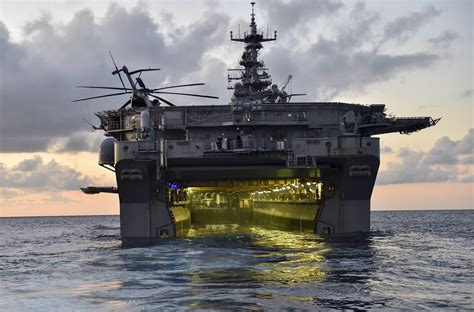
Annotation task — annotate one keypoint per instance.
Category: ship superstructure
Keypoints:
(260, 159)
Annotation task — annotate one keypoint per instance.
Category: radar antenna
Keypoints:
(253, 78)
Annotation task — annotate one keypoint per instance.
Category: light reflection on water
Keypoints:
(411, 261)
(279, 257)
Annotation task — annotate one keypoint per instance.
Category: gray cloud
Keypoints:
(288, 15)
(466, 145)
(411, 170)
(468, 93)
(359, 28)
(78, 142)
(443, 40)
(35, 174)
(442, 153)
(386, 149)
(403, 27)
(336, 69)
(353, 57)
(7, 193)
(446, 161)
(36, 113)
(35, 100)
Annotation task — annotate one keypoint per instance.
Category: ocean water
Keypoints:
(417, 260)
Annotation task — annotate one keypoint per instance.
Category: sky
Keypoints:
(414, 56)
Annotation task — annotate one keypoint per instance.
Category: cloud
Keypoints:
(403, 27)
(442, 153)
(352, 58)
(443, 40)
(36, 113)
(288, 15)
(468, 93)
(336, 69)
(78, 142)
(386, 149)
(8, 193)
(36, 175)
(446, 161)
(43, 68)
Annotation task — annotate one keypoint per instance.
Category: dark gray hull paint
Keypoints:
(145, 214)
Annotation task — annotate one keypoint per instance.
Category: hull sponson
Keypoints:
(347, 207)
(144, 213)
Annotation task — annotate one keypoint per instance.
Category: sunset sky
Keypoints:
(414, 56)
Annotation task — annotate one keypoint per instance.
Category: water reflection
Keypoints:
(271, 256)
(313, 264)
(246, 267)
(77, 262)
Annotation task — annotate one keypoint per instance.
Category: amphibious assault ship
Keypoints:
(261, 159)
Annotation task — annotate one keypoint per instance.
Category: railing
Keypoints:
(249, 117)
(213, 117)
(117, 125)
(412, 118)
(278, 116)
(245, 144)
(200, 118)
(294, 161)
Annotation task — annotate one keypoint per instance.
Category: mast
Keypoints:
(253, 80)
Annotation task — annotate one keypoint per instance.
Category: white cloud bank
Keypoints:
(35, 175)
(446, 161)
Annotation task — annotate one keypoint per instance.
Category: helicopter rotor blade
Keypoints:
(117, 70)
(105, 88)
(143, 70)
(188, 94)
(137, 78)
(296, 94)
(101, 96)
(162, 99)
(179, 86)
(140, 82)
(126, 103)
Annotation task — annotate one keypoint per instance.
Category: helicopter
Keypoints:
(140, 95)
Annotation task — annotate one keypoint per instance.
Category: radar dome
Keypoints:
(106, 152)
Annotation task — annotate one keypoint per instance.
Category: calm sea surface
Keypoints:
(419, 260)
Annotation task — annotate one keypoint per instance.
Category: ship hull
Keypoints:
(226, 192)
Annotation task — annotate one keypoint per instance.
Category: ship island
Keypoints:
(260, 159)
